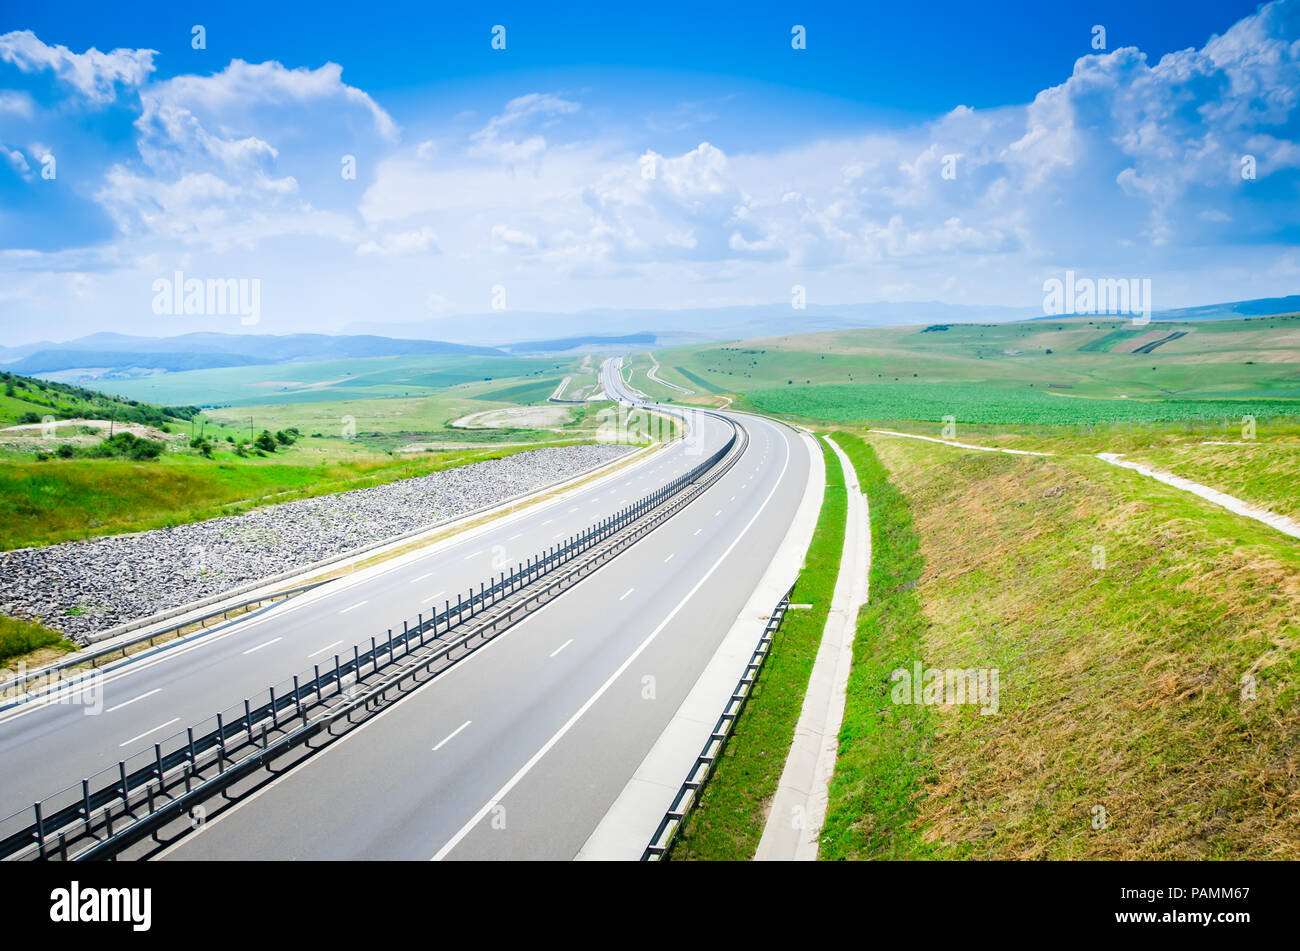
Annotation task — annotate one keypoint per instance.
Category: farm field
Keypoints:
(1257, 358)
(334, 380)
(972, 403)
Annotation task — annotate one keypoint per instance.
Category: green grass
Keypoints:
(333, 380)
(701, 381)
(1216, 359)
(883, 758)
(60, 500)
(1121, 679)
(728, 822)
(18, 637)
(972, 403)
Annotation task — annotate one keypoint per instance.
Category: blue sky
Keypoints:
(614, 155)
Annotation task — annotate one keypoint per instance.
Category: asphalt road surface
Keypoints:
(519, 751)
(49, 746)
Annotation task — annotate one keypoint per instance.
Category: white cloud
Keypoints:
(402, 242)
(93, 74)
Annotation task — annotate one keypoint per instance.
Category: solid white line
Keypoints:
(562, 647)
(451, 735)
(147, 732)
(129, 702)
(265, 644)
(697, 531)
(427, 574)
(546, 747)
(513, 537)
(353, 608)
(548, 521)
(323, 649)
(670, 558)
(717, 513)
(626, 593)
(474, 554)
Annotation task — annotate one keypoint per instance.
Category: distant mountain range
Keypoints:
(119, 354)
(504, 333)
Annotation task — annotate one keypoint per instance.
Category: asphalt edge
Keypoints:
(631, 820)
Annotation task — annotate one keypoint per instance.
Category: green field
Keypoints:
(369, 378)
(1257, 358)
(972, 403)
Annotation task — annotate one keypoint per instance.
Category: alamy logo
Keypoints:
(938, 687)
(213, 297)
(74, 904)
(1084, 295)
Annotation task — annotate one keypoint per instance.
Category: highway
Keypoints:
(516, 752)
(49, 746)
(519, 751)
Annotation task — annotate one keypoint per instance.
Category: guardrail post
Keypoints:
(316, 667)
(338, 676)
(221, 744)
(297, 697)
(158, 766)
(275, 714)
(40, 827)
(85, 803)
(126, 793)
(248, 719)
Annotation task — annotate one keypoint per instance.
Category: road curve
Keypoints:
(519, 750)
(49, 746)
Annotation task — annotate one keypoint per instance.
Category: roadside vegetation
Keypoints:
(1147, 644)
(728, 821)
(25, 640)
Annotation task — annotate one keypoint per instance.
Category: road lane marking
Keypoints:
(450, 736)
(353, 608)
(427, 574)
(717, 513)
(270, 642)
(147, 732)
(474, 554)
(129, 702)
(548, 521)
(626, 593)
(546, 747)
(323, 649)
(562, 647)
(513, 537)
(670, 558)
(698, 530)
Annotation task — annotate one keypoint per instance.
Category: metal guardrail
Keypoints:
(689, 793)
(116, 806)
(80, 658)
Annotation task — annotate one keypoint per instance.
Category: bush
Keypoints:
(283, 438)
(65, 451)
(130, 447)
(265, 441)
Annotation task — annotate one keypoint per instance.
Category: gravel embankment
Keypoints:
(87, 586)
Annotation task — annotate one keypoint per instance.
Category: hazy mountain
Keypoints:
(206, 350)
(499, 328)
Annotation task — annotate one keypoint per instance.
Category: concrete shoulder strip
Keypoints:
(632, 819)
(798, 812)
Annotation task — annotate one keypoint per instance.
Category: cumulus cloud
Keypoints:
(93, 74)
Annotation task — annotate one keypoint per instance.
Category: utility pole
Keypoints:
(250, 429)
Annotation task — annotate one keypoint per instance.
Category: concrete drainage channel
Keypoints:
(138, 806)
